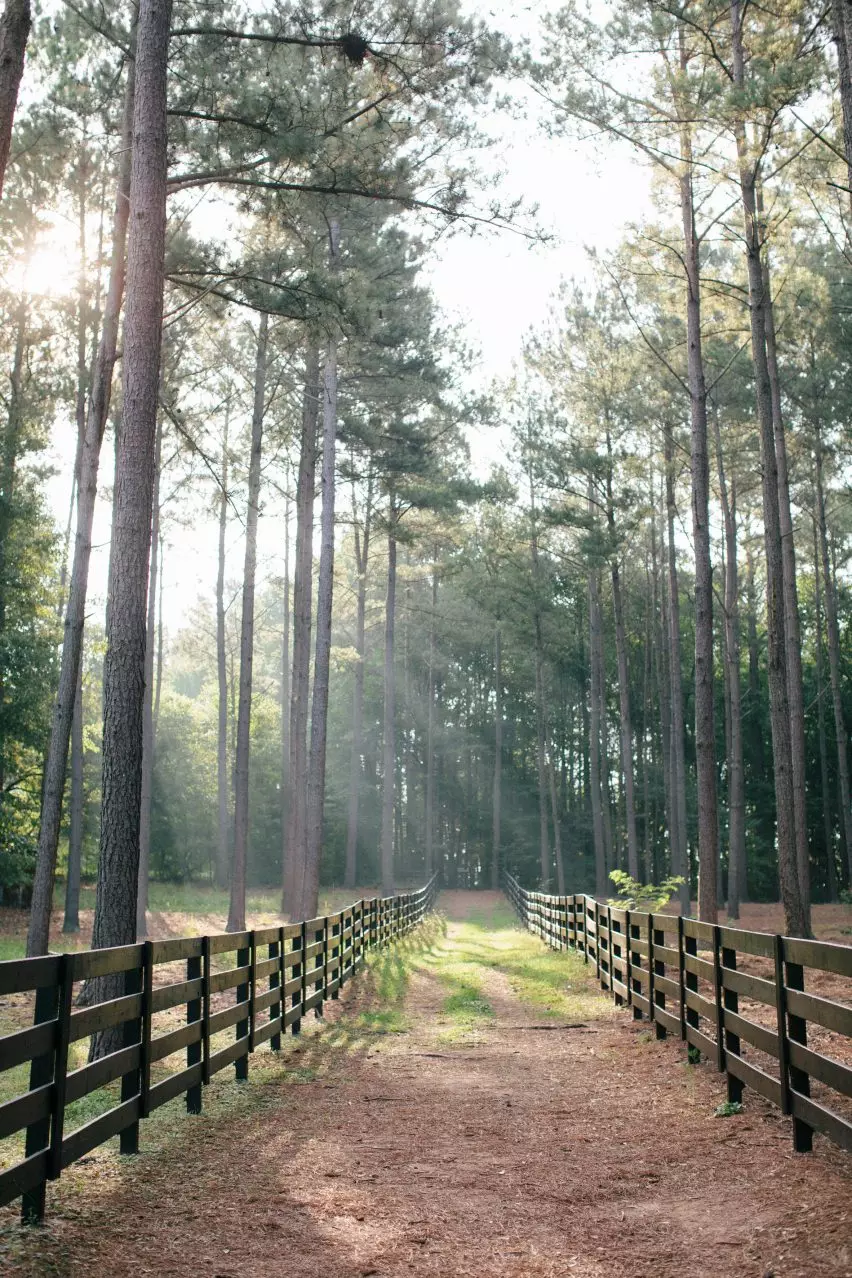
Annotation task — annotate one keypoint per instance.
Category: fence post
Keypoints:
(299, 970)
(276, 980)
(689, 981)
(194, 1050)
(145, 1039)
(791, 1029)
(335, 956)
(717, 987)
(731, 1001)
(60, 1074)
(205, 1015)
(656, 937)
(242, 996)
(41, 1072)
(131, 1082)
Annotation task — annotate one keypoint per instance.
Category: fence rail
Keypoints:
(687, 978)
(278, 975)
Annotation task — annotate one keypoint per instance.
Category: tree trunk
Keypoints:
(72, 641)
(307, 901)
(237, 906)
(302, 605)
(680, 858)
(362, 557)
(736, 774)
(705, 726)
(841, 32)
(124, 663)
(663, 677)
(828, 831)
(430, 734)
(626, 730)
(148, 711)
(794, 908)
(71, 922)
(595, 643)
(14, 33)
(792, 627)
(285, 686)
(833, 631)
(389, 736)
(223, 789)
(497, 786)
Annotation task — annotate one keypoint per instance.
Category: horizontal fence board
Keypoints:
(29, 1108)
(704, 1044)
(121, 958)
(174, 1086)
(832, 1016)
(823, 1120)
(829, 1071)
(827, 956)
(751, 986)
(765, 1040)
(23, 1177)
(19, 975)
(81, 1082)
(101, 1129)
(755, 1078)
(165, 1044)
(221, 981)
(759, 943)
(165, 996)
(90, 1020)
(183, 947)
(24, 1044)
(229, 942)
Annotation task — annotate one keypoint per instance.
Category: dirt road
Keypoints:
(444, 1126)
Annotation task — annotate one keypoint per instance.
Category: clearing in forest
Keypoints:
(476, 1107)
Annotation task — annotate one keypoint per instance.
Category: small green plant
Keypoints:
(728, 1109)
(846, 896)
(693, 1055)
(634, 895)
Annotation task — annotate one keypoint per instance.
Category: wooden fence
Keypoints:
(759, 1026)
(278, 974)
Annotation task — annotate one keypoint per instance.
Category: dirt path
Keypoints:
(498, 1148)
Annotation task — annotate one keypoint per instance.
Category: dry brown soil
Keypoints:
(584, 1150)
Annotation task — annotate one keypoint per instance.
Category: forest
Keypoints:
(616, 638)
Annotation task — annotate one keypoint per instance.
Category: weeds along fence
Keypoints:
(173, 1020)
(737, 998)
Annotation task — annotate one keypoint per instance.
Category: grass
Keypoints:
(489, 945)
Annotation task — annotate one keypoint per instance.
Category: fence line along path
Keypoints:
(762, 1027)
(175, 1018)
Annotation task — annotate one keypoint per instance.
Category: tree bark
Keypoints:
(705, 726)
(595, 643)
(841, 33)
(430, 735)
(680, 858)
(72, 641)
(237, 906)
(389, 735)
(626, 729)
(14, 33)
(362, 558)
(497, 784)
(148, 711)
(307, 901)
(828, 830)
(794, 907)
(222, 784)
(302, 611)
(736, 774)
(126, 613)
(71, 922)
(792, 626)
(833, 632)
(285, 686)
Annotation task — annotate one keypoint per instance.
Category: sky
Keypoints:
(496, 285)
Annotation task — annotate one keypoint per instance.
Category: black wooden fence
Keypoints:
(759, 1026)
(278, 974)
